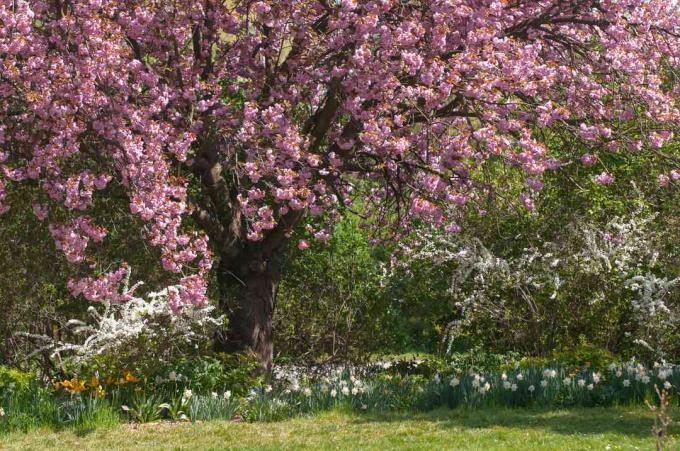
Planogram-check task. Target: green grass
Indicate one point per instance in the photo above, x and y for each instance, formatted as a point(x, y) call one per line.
point(487, 429)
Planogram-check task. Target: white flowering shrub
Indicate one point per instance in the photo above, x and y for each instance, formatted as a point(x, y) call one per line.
point(611, 284)
point(143, 331)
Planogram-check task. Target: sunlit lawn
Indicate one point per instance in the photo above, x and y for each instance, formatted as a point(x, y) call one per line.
point(575, 429)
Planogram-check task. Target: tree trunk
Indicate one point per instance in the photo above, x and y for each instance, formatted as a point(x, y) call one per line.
point(248, 297)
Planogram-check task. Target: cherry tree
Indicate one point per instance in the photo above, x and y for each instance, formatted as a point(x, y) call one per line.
point(228, 123)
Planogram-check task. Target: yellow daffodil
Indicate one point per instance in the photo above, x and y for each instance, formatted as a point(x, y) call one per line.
point(72, 386)
point(99, 392)
point(129, 377)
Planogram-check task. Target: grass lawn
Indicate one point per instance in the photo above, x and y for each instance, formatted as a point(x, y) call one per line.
point(575, 429)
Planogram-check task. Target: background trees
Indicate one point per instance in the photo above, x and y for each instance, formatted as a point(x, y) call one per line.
point(516, 281)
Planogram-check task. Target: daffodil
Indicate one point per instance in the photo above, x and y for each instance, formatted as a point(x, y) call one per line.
point(131, 378)
point(72, 386)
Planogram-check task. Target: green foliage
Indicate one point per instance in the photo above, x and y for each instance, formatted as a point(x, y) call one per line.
point(213, 407)
point(241, 372)
point(144, 407)
point(327, 295)
point(480, 360)
point(28, 410)
point(12, 379)
point(85, 413)
point(421, 307)
point(335, 303)
point(426, 367)
point(584, 355)
point(236, 372)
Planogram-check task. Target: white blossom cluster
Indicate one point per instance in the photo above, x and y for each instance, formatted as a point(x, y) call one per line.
point(623, 246)
point(651, 292)
point(114, 326)
point(621, 256)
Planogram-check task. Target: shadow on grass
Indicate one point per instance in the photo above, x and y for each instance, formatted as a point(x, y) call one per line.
point(635, 422)
point(84, 432)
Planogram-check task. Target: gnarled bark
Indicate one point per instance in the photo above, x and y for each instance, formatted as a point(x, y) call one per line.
point(249, 297)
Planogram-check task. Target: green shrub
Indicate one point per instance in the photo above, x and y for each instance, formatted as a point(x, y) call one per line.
point(330, 303)
point(584, 355)
point(14, 379)
point(480, 360)
point(205, 374)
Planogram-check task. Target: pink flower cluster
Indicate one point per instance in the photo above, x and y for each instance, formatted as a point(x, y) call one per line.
point(74, 238)
point(297, 101)
point(105, 287)
point(189, 291)
point(604, 178)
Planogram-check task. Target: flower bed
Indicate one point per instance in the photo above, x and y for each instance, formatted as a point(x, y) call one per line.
point(380, 387)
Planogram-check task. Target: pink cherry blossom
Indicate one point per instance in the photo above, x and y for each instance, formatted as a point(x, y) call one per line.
point(303, 244)
point(275, 109)
point(40, 211)
point(604, 178)
point(589, 159)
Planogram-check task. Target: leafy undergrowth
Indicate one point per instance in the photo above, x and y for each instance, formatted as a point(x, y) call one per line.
point(484, 429)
